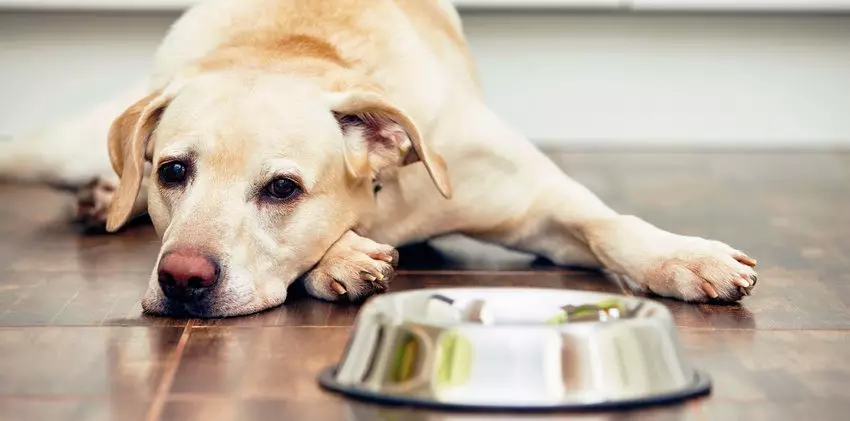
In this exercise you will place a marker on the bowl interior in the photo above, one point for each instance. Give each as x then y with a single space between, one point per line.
512 307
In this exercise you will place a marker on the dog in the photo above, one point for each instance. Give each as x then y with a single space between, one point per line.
284 140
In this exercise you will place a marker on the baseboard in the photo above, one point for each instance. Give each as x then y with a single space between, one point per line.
680 145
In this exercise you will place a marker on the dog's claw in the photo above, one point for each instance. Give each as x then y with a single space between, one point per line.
338 288
709 290
744 259
741 282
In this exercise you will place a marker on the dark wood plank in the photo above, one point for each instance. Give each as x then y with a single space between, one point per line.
232 409
51 363
267 363
72 409
218 409
37 234
679 412
35 298
772 366
816 409
88 254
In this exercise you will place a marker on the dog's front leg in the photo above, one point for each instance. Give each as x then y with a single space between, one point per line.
570 225
670 265
509 193
353 268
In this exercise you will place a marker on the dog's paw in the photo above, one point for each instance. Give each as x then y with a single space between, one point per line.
93 201
700 270
352 269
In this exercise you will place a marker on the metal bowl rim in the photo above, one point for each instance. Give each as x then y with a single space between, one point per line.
421 321
700 386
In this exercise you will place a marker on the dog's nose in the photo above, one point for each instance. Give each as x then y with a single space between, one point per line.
185 273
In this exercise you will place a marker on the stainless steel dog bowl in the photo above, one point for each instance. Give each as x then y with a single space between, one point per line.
514 349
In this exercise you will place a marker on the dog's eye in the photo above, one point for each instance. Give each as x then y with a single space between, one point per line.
173 173
282 189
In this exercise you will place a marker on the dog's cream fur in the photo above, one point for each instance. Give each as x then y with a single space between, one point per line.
247 90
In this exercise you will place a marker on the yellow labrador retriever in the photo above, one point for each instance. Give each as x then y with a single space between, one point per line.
287 139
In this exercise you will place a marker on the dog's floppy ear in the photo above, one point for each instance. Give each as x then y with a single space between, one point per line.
129 149
391 138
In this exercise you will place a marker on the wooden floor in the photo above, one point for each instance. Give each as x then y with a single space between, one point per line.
74 345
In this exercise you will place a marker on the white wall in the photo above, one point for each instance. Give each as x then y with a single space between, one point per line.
748 80
670 78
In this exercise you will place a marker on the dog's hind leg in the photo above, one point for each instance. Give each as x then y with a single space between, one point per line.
72 155
65 156
69 153
94 198
510 193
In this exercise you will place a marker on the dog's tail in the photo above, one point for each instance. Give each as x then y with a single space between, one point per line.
68 154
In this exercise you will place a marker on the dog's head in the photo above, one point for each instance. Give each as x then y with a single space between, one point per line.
251 179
